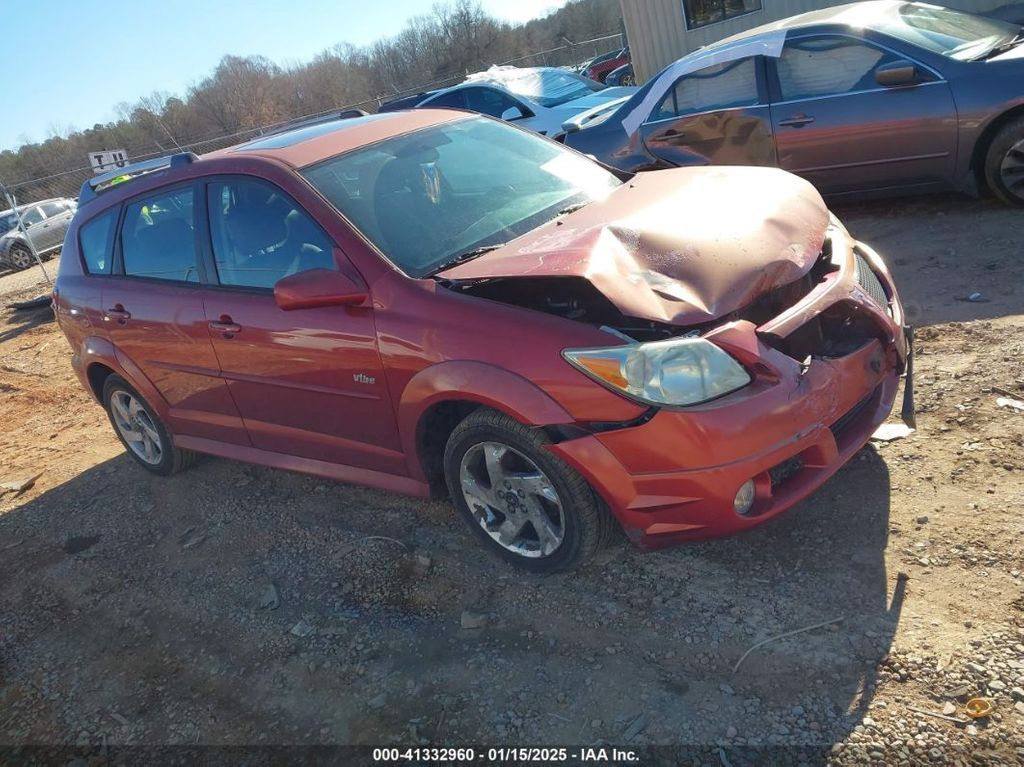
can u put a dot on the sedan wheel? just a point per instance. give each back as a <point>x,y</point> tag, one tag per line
<point>1011,170</point>
<point>20,257</point>
<point>525,504</point>
<point>512,499</point>
<point>1004,163</point>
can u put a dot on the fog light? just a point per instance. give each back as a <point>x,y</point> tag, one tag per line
<point>744,497</point>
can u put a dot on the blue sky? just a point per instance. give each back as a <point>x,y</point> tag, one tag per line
<point>76,59</point>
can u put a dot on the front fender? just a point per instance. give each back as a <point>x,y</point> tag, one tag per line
<point>478,382</point>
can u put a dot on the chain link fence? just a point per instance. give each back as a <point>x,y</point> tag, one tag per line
<point>47,203</point>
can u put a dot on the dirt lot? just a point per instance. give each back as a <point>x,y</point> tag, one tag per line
<point>137,610</point>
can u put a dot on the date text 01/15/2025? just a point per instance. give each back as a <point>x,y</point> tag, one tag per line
<point>499,754</point>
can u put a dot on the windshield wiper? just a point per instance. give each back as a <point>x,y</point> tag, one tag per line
<point>1002,48</point>
<point>469,255</point>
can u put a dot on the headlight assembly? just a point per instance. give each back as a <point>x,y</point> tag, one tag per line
<point>680,371</point>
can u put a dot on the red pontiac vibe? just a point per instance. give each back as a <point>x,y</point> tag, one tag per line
<point>436,303</point>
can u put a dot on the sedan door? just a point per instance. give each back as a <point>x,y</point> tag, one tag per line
<point>836,126</point>
<point>718,115</point>
<point>308,382</point>
<point>55,226</point>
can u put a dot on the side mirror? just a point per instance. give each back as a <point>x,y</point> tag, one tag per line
<point>317,288</point>
<point>513,113</point>
<point>900,72</point>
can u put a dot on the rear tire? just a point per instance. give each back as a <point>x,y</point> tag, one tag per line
<point>144,436</point>
<point>1004,163</point>
<point>525,504</point>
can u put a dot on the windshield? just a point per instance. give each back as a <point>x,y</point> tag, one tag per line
<point>426,198</point>
<point>959,35</point>
<point>547,87</point>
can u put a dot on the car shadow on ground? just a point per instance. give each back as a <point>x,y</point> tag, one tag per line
<point>147,598</point>
<point>18,321</point>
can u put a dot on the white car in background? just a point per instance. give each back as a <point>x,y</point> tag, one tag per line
<point>542,99</point>
<point>46,222</point>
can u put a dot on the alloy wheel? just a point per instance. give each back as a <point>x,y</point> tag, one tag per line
<point>512,499</point>
<point>136,427</point>
<point>1011,170</point>
<point>20,257</point>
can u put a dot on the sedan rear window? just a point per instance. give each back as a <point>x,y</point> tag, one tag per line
<point>430,197</point>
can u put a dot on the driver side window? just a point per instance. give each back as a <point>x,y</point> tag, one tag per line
<point>259,235</point>
<point>32,216</point>
<point>489,101</point>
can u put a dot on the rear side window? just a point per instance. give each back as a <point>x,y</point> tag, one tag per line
<point>96,242</point>
<point>52,209</point>
<point>721,86</point>
<point>259,235</point>
<point>158,237</point>
<point>452,99</point>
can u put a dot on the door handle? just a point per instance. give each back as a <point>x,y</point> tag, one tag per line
<point>226,326</point>
<point>118,313</point>
<point>673,133</point>
<point>797,121</point>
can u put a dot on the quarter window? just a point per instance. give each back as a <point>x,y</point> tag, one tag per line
<point>96,241</point>
<point>722,86</point>
<point>259,235</point>
<point>828,66</point>
<point>158,238</point>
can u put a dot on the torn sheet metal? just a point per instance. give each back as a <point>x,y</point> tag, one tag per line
<point>681,246</point>
<point>767,44</point>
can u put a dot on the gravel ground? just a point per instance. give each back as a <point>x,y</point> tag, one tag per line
<point>238,605</point>
<point>36,277</point>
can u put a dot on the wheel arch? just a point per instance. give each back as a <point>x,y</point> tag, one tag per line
<point>984,141</point>
<point>98,356</point>
<point>438,397</point>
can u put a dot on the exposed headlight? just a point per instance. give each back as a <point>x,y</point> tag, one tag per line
<point>681,371</point>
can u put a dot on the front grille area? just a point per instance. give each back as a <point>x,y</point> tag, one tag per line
<point>851,415</point>
<point>869,281</point>
<point>783,471</point>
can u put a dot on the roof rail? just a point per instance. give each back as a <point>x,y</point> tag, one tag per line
<point>104,181</point>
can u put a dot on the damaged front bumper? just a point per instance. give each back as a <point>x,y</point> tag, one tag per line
<point>676,476</point>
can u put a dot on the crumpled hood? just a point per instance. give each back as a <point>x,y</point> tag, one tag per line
<point>682,246</point>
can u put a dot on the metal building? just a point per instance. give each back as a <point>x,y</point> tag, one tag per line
<point>661,31</point>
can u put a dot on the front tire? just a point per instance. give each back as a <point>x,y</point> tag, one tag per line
<point>141,431</point>
<point>525,504</point>
<point>19,257</point>
<point>1004,163</point>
